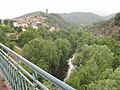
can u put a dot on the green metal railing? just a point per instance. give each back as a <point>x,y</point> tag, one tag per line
<point>19,78</point>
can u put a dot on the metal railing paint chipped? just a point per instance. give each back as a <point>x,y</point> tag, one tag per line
<point>19,78</point>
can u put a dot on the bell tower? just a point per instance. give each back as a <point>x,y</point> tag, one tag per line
<point>46,11</point>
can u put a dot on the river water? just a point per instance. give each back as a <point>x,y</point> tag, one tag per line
<point>71,67</point>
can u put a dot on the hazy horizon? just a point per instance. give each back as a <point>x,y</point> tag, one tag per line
<point>15,8</point>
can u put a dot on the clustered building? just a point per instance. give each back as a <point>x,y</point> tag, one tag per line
<point>34,21</point>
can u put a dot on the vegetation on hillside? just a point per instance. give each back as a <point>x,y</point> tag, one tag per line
<point>58,21</point>
<point>108,28</point>
<point>79,18</point>
<point>7,36</point>
<point>74,18</point>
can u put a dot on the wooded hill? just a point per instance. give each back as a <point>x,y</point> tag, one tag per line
<point>75,17</point>
<point>110,28</point>
<point>84,17</point>
<point>52,20</point>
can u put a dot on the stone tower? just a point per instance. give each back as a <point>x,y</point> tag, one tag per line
<point>46,11</point>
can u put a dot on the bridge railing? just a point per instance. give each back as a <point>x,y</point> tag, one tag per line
<point>19,78</point>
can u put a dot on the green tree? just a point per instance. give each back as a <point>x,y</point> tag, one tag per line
<point>64,49</point>
<point>7,29</point>
<point>18,29</point>
<point>73,39</point>
<point>111,82</point>
<point>115,75</point>
<point>42,53</point>
<point>106,84</point>
<point>100,54</point>
<point>117,19</point>
<point>83,75</point>
<point>90,63</point>
<point>26,36</point>
<point>10,44</point>
<point>2,37</point>
<point>6,22</point>
<point>116,37</point>
<point>43,32</point>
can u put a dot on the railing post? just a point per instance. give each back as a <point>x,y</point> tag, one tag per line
<point>34,74</point>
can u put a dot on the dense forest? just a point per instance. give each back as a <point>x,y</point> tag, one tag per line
<point>96,57</point>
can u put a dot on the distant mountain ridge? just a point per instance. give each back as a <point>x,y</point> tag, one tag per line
<point>75,17</point>
<point>110,16</point>
<point>84,17</point>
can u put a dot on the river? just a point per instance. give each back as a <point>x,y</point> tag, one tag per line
<point>71,67</point>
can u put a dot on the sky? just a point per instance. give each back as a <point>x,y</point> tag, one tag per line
<point>15,8</point>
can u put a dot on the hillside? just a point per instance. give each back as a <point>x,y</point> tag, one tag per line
<point>110,28</point>
<point>52,20</point>
<point>75,17</point>
<point>57,20</point>
<point>84,17</point>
